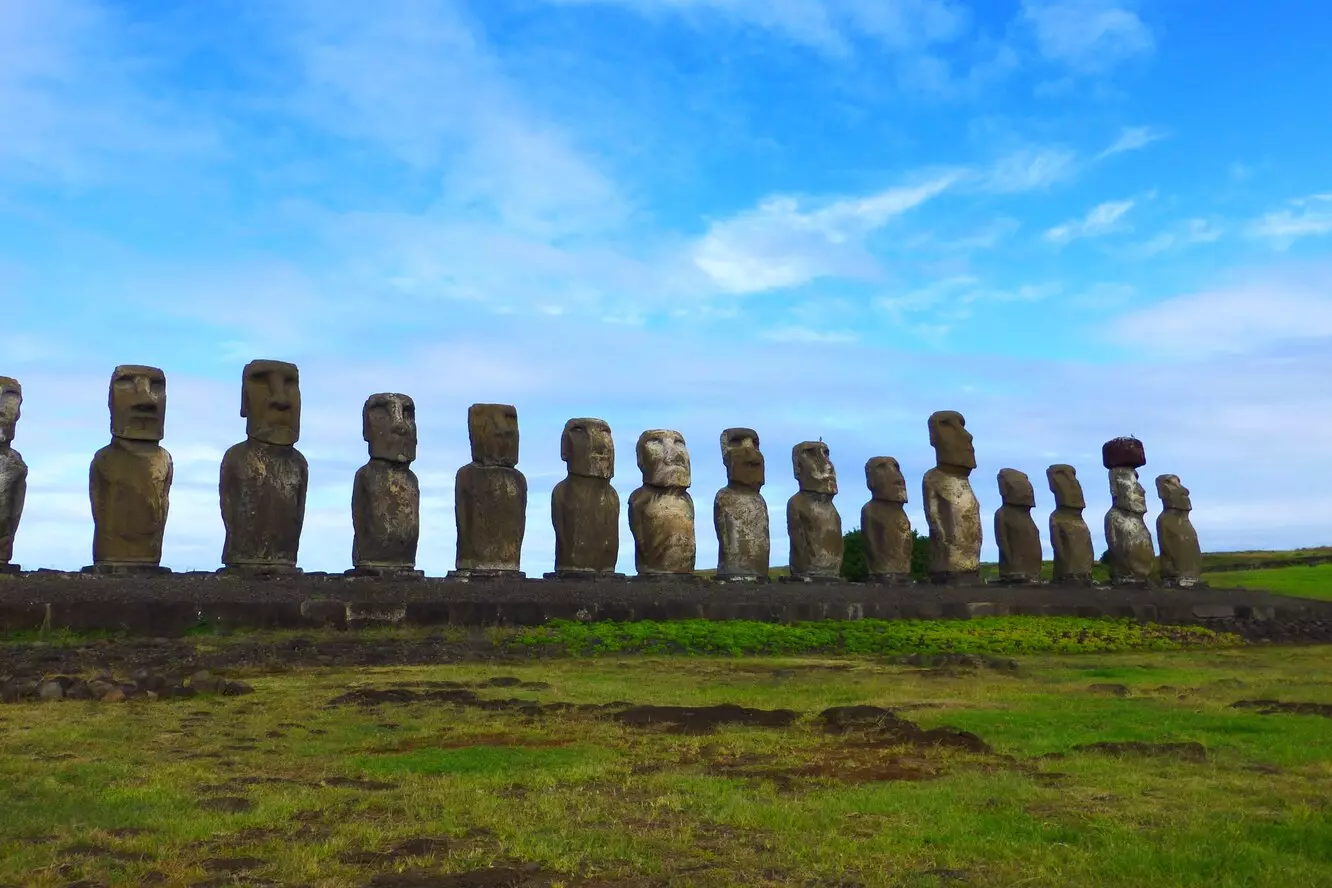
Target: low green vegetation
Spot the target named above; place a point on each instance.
(1303, 581)
(532, 773)
(983, 635)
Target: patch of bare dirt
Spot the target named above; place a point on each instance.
(227, 804)
(1278, 707)
(704, 719)
(357, 783)
(1190, 750)
(526, 876)
(409, 848)
(885, 727)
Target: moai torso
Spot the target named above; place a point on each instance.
(1126, 535)
(584, 507)
(490, 494)
(661, 512)
(1015, 532)
(951, 509)
(812, 521)
(13, 491)
(739, 512)
(1181, 553)
(884, 523)
(386, 496)
(1070, 537)
(264, 479)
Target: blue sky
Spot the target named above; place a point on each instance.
(1068, 219)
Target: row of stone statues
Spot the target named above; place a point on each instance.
(263, 481)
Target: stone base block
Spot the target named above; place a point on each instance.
(583, 575)
(1016, 580)
(1083, 580)
(891, 579)
(812, 581)
(955, 578)
(127, 570)
(253, 571)
(389, 573)
(739, 578)
(469, 576)
(7, 568)
(1183, 583)
(1130, 583)
(667, 578)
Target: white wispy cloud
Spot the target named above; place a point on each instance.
(1030, 169)
(1087, 36)
(1102, 219)
(782, 243)
(808, 335)
(1304, 217)
(1185, 234)
(1133, 138)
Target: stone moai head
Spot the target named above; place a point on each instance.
(1015, 488)
(271, 402)
(1173, 494)
(1126, 493)
(745, 466)
(493, 430)
(1065, 486)
(813, 468)
(137, 400)
(951, 440)
(883, 476)
(388, 425)
(663, 458)
(11, 407)
(587, 446)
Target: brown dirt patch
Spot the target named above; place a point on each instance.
(1191, 750)
(102, 852)
(418, 847)
(227, 804)
(494, 877)
(704, 719)
(1277, 707)
(837, 766)
(231, 864)
(1117, 690)
(357, 783)
(884, 727)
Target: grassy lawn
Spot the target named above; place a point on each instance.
(399, 776)
(1305, 581)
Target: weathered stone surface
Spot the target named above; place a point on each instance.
(812, 521)
(129, 481)
(884, 522)
(1123, 453)
(661, 512)
(264, 478)
(13, 470)
(490, 495)
(1070, 537)
(1126, 534)
(1015, 532)
(739, 512)
(951, 508)
(584, 507)
(1181, 553)
(386, 496)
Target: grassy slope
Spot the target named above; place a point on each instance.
(1304, 581)
(585, 796)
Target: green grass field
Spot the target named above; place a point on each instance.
(446, 776)
(1304, 581)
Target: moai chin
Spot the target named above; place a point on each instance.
(1181, 554)
(739, 512)
(13, 471)
(1126, 534)
(661, 512)
(951, 508)
(490, 497)
(584, 507)
(1070, 537)
(129, 481)
(264, 478)
(386, 495)
(1015, 532)
(812, 521)
(884, 523)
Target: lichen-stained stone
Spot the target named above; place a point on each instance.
(884, 523)
(739, 512)
(13, 471)
(1015, 532)
(584, 507)
(1126, 534)
(951, 509)
(490, 495)
(812, 521)
(386, 495)
(264, 479)
(129, 481)
(1070, 538)
(661, 512)
(1181, 553)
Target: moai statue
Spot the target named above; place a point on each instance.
(812, 521)
(739, 512)
(584, 507)
(13, 471)
(264, 478)
(661, 512)
(951, 509)
(884, 523)
(490, 496)
(1069, 536)
(1014, 530)
(386, 496)
(1126, 534)
(129, 482)
(1181, 555)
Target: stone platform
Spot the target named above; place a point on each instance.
(162, 606)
